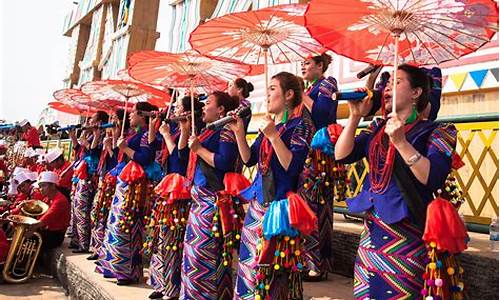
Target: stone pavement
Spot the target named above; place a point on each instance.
(42, 288)
(84, 282)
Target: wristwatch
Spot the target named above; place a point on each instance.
(413, 159)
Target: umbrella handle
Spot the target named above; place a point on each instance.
(191, 91)
(170, 106)
(266, 77)
(124, 116)
(394, 81)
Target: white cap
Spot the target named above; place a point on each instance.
(22, 177)
(3, 144)
(23, 122)
(48, 176)
(32, 175)
(30, 152)
(18, 170)
(53, 154)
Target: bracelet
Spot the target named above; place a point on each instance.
(413, 159)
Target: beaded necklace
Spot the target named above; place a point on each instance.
(381, 155)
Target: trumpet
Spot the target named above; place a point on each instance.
(24, 250)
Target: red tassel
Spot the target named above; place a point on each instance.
(81, 171)
(444, 227)
(235, 183)
(173, 187)
(456, 161)
(334, 131)
(132, 172)
(301, 215)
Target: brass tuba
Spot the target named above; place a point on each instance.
(24, 250)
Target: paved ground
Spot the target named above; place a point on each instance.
(35, 289)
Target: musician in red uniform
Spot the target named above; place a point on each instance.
(4, 170)
(30, 134)
(4, 246)
(55, 221)
(25, 190)
(56, 162)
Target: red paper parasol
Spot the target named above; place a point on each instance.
(254, 37)
(393, 31)
(188, 69)
(74, 98)
(127, 91)
(73, 110)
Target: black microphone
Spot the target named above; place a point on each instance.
(242, 113)
(356, 96)
(367, 71)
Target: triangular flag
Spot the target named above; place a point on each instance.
(469, 84)
(478, 76)
(495, 73)
(458, 79)
(448, 86)
(489, 81)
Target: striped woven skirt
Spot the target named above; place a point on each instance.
(247, 265)
(319, 188)
(120, 256)
(82, 206)
(166, 260)
(203, 274)
(390, 261)
(100, 212)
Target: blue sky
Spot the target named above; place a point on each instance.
(33, 54)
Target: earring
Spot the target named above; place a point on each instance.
(285, 115)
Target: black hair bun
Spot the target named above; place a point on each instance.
(250, 87)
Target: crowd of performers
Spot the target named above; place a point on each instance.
(158, 191)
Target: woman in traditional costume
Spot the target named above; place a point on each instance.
(167, 222)
(107, 182)
(409, 159)
(86, 178)
(241, 88)
(324, 180)
(205, 272)
(279, 151)
(121, 257)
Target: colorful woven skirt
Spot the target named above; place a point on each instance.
(247, 266)
(82, 206)
(120, 256)
(100, 211)
(203, 273)
(167, 247)
(323, 182)
(390, 261)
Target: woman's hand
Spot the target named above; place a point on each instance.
(237, 125)
(194, 143)
(164, 129)
(361, 108)
(395, 129)
(121, 143)
(268, 128)
(108, 143)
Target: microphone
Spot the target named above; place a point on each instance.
(367, 71)
(7, 126)
(107, 125)
(240, 112)
(79, 126)
(356, 96)
(70, 127)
